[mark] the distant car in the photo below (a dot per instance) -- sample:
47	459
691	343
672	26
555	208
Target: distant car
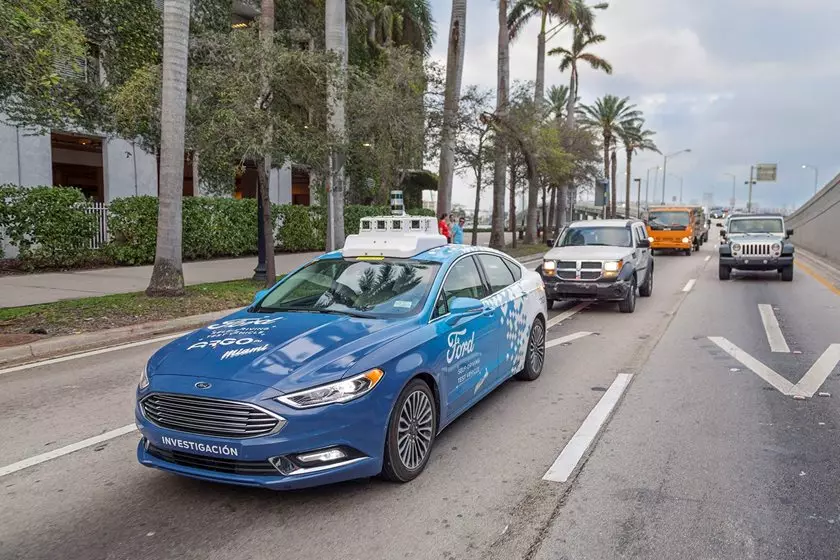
756	242
348	367
602	260
717	213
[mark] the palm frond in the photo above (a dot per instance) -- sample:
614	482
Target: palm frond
520	14
596	62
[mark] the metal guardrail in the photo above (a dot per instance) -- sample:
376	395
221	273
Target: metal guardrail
817	222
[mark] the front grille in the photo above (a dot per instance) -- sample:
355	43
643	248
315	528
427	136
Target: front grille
211	417
566	264
756	249
590	275
229	466
588	270
566	274
594	265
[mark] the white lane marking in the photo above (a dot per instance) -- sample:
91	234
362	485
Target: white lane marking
822	368
567	338
708	258
771	327
571	455
566	314
780	383
66	450
689	285
91	353
716	247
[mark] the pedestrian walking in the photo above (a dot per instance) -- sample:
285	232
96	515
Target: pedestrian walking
443	228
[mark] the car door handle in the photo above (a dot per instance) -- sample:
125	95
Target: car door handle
487	313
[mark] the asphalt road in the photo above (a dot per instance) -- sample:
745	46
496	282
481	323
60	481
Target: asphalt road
697	460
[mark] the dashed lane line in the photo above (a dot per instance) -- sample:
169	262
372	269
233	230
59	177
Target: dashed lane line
91	353
574	451
66	450
689	285
775	337
567	314
566	339
708	258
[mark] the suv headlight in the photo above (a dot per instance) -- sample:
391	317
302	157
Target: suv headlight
549	267
338	392
144	378
613	266
776	248
736	247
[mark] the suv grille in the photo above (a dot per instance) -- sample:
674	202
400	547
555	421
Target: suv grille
263	468
212	417
756	249
589	270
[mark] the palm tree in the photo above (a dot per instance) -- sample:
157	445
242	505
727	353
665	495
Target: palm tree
452	93
608	115
574	12
571	57
557	100
335	23
397	23
635	139
168	274
497	227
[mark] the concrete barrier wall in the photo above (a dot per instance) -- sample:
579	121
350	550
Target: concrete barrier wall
816	223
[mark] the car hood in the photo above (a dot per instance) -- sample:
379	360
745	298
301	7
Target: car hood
583	253
285	351
756	237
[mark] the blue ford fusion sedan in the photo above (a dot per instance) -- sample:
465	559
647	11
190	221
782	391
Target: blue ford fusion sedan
348	367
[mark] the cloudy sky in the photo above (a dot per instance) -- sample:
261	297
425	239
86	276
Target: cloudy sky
737	81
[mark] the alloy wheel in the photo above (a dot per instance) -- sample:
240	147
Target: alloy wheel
414	432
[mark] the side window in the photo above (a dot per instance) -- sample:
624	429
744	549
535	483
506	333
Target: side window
498	274
463	281
640	233
441	308
514	269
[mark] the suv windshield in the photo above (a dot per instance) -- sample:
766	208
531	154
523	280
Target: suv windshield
756	225
606	236
385	288
659	220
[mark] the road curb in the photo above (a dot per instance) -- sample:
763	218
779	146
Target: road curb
826	271
65	345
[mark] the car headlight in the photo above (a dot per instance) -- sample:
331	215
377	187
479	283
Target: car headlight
685	239
549	267
338	392
776	248
613	266
144	378
736	247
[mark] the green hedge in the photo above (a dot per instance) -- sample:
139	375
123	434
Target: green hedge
47	225
50	228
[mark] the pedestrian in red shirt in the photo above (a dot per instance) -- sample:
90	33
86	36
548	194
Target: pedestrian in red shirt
443	228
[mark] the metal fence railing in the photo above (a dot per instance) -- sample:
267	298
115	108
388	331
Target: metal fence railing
100	236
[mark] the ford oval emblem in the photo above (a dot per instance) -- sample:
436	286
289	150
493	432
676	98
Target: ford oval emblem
202	385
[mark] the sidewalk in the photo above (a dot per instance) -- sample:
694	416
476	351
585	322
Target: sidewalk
31	289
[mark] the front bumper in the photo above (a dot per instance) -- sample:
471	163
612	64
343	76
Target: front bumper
556	288
674	245
756	263
358	426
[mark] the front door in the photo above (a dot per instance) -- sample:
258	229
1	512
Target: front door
641	255
468	348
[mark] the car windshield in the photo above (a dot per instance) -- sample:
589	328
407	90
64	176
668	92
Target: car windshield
756	225
659	220
380	289
586	236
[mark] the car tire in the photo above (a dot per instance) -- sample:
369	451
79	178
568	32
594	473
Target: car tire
535	356
416	408
646	289
787	274
687	252
724	272
628	304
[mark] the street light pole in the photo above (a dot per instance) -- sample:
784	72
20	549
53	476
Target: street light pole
732	202
749	195
665	169
638	196
816	175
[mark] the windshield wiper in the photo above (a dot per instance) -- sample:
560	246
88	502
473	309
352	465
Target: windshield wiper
316	310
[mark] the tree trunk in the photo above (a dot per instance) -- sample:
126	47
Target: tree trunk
263	183
452	95
544	213
497	234
627	186
336	42
607	141
168	274
539	86
614	201
512	207
552	212
478	174
533	208
563	195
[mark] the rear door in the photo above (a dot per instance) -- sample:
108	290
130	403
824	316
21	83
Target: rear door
641	255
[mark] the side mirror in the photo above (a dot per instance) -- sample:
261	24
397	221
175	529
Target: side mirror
644	244
789	233
464	307
259	295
